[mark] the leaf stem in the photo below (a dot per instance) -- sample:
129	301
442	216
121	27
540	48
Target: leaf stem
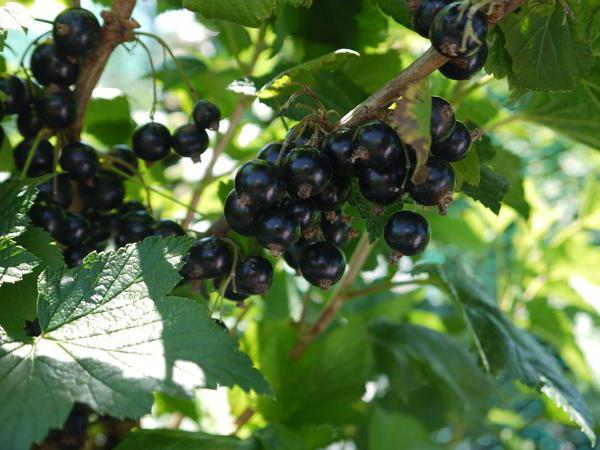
153	70
30	155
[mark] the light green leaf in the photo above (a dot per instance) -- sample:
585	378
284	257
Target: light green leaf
468	170
250	13
109	120
16	197
15	262
389	428
177	440
109	339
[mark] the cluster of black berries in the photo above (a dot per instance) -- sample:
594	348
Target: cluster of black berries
456	30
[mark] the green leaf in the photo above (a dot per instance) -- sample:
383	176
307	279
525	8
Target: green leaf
397	10
548	52
16	197
388	428
491	189
177	440
506	348
109	339
279	437
15	262
109	120
499	62
235	37
250	13
468	170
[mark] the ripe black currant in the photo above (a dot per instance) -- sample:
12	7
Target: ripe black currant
56	189
270	152
42	160
425	13
79	160
57	108
465	68
305	135
339	148
49	65
208	258
254	275
124	159
306	171
231	292
443	119
74	256
337	231
334	195
15	94
75	230
130	206
322	264
151	142
29	121
133	227
166	228
437	188
407	233
258	185
106	192
190	141
456	146
49	216
377	146
101	225
240	218
293	253
76	31
277	230
382	187
304	212
206	115
448	28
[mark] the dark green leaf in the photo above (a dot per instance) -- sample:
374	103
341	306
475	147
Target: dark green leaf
250	13
109	120
491	189
177	440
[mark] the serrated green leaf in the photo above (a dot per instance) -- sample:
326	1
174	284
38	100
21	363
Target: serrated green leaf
16	197
468	170
177	440
250	13
15	262
109	339
491	189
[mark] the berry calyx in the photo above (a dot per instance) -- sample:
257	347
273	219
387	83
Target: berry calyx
254	275
258	185
133	227
277	230
106	192
79	160
208	258
76	31
166	228
56	189
306	171
49	65
49	216
377	146
239	217
151	142
382	188
15	94
456	147
75	230
438	186
124	159
41	162
339	148
443	119
29	122
334	195
455	32
270	152
322	264
425	13
206	115
407	233
57	108
465	68
190	141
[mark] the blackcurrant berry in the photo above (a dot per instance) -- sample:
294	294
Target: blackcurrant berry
166	228
41	162
79	160
124	159
208	258
407	233
270	152
240	218
29	122
337	231
303	211
425	13
2	136
56	189
456	146
49	65
334	195
437	188
106	192
231	292
151	142
258	185
57	109
206	115
443	119
130	206
254	275
339	148
75	230
76	31
465	68
190	141
322	264
74	256
133	227
382	188
449	27
49	216
15	94
277	230
305	135
377	146
101	225
306	171
293	253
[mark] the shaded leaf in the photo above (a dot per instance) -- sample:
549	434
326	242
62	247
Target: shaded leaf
250	13
15	262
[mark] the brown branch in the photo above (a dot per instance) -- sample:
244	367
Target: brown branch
118	28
